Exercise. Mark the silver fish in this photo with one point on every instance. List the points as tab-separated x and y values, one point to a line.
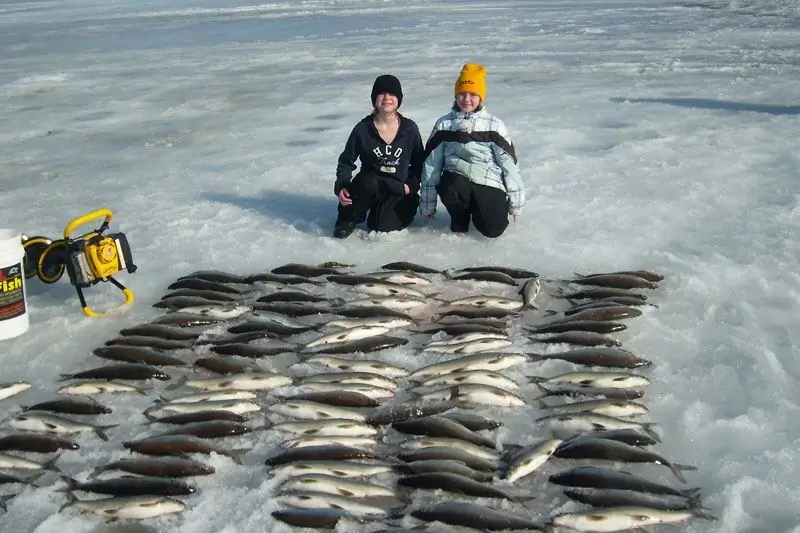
10	389
50	423
364	378
613	380
527	460
396	303
529	291
610	407
351	334
135	507
479	361
358	365
334	485
387	289
623	518
340	469
315	411
330	427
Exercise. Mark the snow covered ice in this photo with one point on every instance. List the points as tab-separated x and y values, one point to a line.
650	135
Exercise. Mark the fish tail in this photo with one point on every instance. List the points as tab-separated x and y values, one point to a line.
676	472
101	431
50	464
701	513
543	404
648	428
691	493
4	499
32	479
72	484
181	381
237	453
70	500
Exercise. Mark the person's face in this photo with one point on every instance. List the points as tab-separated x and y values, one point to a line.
386	103
468	102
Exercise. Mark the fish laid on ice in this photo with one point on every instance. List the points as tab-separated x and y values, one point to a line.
411	267
330	427
612	380
587	447
387	288
54	424
132	486
475	346
303	409
474	516
387	322
91	387
598	356
335	485
131	507
305	442
71	406
321	500
473	394
438	426
341	469
474	377
351	334
363	378
479	361
608	478
11	389
247	382
649	275
239	407
526	461
493	302
339	398
332	452
623	518
367	345
157	467
357	365
587	422
605	406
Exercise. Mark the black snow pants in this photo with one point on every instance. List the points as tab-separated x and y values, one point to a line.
381	201
486	206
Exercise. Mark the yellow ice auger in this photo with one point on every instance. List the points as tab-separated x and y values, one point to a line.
88	259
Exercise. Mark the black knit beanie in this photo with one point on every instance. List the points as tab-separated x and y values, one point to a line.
387	83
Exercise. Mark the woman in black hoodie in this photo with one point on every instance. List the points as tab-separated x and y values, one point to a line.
389	145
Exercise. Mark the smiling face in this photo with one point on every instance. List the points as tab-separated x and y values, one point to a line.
386	103
468	102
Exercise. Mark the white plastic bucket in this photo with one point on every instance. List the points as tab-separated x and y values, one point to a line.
14	319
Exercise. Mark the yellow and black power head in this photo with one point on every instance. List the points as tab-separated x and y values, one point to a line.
88	259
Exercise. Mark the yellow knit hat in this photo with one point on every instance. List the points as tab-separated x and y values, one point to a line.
472	80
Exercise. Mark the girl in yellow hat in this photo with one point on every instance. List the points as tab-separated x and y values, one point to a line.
471	163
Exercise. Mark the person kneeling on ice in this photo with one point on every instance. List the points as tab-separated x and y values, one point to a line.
390	148
470	162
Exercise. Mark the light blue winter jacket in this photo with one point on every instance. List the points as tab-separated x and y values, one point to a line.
476	145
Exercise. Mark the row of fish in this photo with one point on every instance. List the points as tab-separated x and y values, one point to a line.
335	417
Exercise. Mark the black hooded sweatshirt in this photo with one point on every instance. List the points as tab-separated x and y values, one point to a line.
396	163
